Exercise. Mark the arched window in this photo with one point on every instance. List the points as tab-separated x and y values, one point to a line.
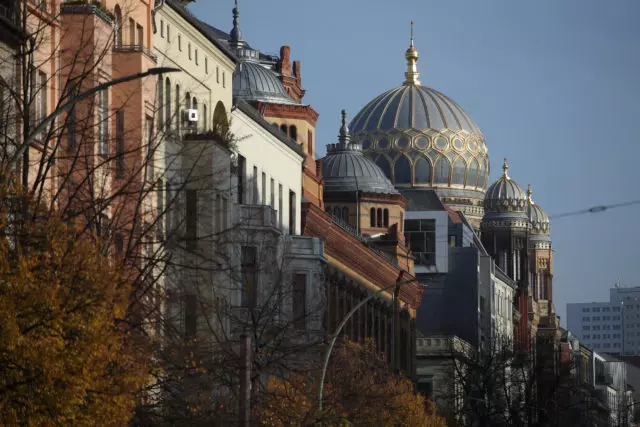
345	214
372	217
442	170
117	34
402	171
472	177
293	132
205	118
336	212
422	171
386	217
379	219
160	104
383	164
167	100
194	106
459	169
178	108
220	117
283	128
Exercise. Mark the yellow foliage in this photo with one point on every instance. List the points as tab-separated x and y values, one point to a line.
64	359
360	391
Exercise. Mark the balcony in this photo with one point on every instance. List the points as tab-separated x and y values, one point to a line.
135	48
305	247
85	7
258	216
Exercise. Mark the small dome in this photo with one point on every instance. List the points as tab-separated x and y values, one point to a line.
505	195
253	82
345	168
540	223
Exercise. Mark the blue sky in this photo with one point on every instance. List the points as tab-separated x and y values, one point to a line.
554	86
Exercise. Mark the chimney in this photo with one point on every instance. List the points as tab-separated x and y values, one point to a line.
285	61
296	72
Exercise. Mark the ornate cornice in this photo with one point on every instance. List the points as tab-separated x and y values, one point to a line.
287	111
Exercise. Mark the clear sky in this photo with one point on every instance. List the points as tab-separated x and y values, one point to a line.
554	86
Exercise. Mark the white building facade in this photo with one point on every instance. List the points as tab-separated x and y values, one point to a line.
609	327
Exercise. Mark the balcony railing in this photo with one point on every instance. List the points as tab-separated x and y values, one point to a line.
83	7
127	48
258	216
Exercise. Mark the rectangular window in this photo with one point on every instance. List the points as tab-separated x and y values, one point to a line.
103	123
421	235
71	123
190	315
148	139
217	75
132	31
224	83
191	219
264	189
273	195
120	143
180	42
168	34
206	65
118	242
160	209
196	56
189	49
292	212
161	28
139	35
42	96
225	213
299	301
241	174
254	190
310	142
280	206
249	260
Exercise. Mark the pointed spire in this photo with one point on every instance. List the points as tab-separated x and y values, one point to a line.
411	54
344	138
411	33
505	168
236	34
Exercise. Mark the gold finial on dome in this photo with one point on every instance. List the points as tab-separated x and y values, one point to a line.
411	55
505	168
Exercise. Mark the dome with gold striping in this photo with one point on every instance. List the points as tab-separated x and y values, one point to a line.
421	138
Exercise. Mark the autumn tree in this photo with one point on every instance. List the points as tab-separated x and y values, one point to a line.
65	357
360	390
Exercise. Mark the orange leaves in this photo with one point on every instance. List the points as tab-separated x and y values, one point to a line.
360	390
63	359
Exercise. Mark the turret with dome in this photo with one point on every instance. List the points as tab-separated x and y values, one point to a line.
516	233
421	139
357	191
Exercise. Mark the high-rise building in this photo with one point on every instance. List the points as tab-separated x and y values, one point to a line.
609	327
